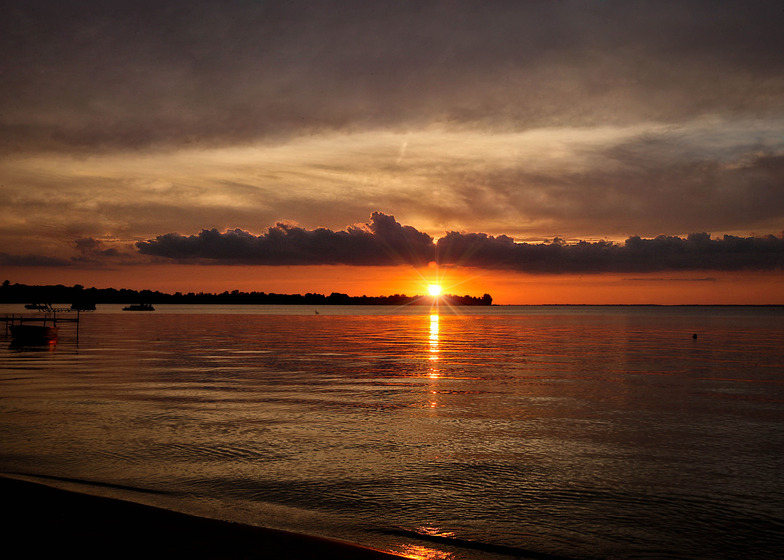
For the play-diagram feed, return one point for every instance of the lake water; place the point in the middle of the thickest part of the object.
(576, 432)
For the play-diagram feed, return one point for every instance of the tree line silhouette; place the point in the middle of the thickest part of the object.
(23, 293)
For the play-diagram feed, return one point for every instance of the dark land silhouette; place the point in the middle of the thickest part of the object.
(48, 522)
(78, 294)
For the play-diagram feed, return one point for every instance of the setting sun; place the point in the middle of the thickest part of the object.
(434, 290)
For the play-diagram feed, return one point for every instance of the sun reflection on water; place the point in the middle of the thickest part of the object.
(433, 372)
(418, 552)
(433, 337)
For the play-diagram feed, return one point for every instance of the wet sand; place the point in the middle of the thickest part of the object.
(45, 522)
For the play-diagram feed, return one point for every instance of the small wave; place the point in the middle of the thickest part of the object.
(85, 482)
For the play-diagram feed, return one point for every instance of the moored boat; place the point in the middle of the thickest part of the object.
(139, 307)
(33, 333)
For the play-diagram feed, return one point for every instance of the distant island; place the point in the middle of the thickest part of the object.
(78, 294)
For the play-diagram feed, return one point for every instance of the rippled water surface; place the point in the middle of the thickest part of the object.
(585, 432)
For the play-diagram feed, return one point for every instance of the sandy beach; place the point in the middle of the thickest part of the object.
(48, 522)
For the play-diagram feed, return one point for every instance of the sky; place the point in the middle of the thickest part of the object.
(543, 152)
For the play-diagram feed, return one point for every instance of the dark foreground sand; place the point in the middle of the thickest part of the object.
(44, 522)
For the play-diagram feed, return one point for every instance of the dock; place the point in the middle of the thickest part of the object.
(44, 318)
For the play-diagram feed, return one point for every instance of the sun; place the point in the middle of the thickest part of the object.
(434, 289)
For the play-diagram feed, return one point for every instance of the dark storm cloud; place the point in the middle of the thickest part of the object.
(386, 242)
(95, 75)
(382, 242)
(695, 252)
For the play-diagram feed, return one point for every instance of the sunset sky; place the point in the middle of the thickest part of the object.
(541, 151)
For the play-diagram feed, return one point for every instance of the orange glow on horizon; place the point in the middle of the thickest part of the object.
(506, 288)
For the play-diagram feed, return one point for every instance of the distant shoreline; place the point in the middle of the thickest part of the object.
(60, 294)
(23, 293)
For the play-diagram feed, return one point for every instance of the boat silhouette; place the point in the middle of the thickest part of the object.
(139, 307)
(33, 333)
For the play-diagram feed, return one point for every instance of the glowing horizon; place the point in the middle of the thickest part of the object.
(506, 288)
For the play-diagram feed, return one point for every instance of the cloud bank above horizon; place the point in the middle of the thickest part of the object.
(383, 242)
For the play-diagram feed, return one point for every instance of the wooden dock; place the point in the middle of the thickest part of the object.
(53, 316)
